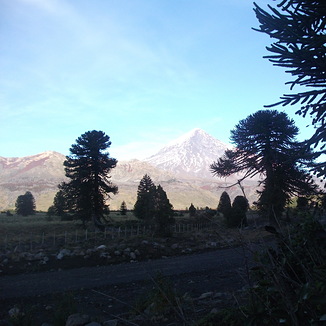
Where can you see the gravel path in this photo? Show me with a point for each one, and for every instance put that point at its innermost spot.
(26, 285)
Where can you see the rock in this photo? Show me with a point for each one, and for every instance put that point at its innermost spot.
(44, 260)
(137, 252)
(144, 242)
(206, 295)
(175, 246)
(13, 312)
(112, 322)
(63, 253)
(105, 255)
(117, 253)
(39, 256)
(77, 320)
(127, 251)
(93, 323)
(214, 311)
(218, 295)
(101, 247)
(132, 255)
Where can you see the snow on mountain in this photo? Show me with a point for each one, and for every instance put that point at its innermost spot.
(190, 155)
(181, 167)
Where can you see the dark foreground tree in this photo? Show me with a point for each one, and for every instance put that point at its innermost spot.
(59, 207)
(25, 204)
(237, 217)
(266, 145)
(192, 210)
(298, 27)
(224, 205)
(144, 205)
(153, 206)
(88, 168)
(163, 212)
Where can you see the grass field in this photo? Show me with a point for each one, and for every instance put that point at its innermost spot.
(40, 228)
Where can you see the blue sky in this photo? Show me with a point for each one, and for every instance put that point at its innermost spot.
(143, 71)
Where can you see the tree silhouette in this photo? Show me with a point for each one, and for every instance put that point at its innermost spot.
(266, 145)
(123, 208)
(25, 204)
(298, 27)
(224, 205)
(163, 212)
(192, 210)
(88, 169)
(59, 207)
(239, 209)
(144, 206)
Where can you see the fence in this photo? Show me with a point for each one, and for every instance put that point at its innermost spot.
(46, 240)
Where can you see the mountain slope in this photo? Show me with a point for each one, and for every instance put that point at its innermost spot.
(190, 156)
(181, 167)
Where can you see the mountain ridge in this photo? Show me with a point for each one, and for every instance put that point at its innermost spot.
(185, 175)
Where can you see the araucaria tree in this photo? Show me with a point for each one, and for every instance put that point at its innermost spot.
(88, 168)
(298, 27)
(266, 145)
(25, 204)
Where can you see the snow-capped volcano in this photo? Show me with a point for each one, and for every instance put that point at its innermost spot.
(190, 155)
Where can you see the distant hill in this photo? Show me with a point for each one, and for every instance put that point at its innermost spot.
(181, 167)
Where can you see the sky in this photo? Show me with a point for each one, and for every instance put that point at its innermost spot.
(143, 71)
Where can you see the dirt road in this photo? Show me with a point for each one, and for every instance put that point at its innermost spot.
(228, 261)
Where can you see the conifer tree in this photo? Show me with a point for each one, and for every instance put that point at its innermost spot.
(163, 212)
(266, 145)
(59, 207)
(224, 205)
(144, 206)
(239, 209)
(123, 208)
(298, 28)
(25, 204)
(88, 168)
(192, 210)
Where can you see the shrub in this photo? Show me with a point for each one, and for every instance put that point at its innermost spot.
(236, 215)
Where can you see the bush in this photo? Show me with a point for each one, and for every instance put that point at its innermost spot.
(236, 215)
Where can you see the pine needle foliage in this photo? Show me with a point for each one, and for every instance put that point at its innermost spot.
(298, 28)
